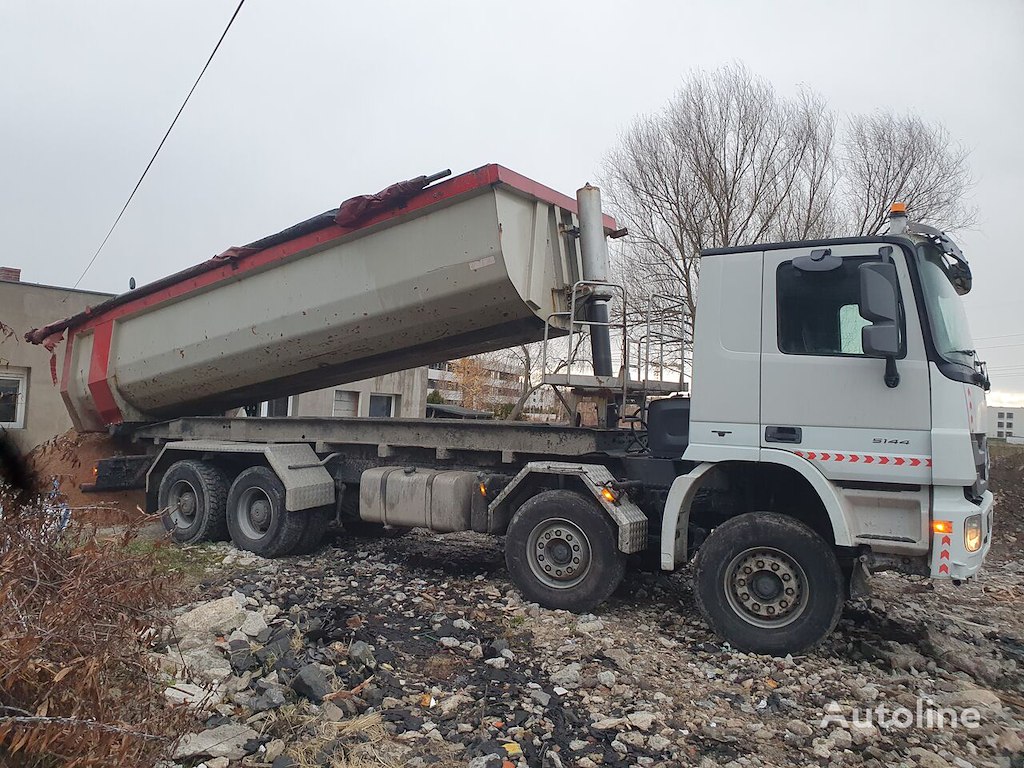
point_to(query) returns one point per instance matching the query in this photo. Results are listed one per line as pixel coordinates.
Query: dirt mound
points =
(70, 459)
(1006, 473)
(1006, 479)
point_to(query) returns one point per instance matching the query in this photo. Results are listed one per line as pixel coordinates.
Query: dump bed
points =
(472, 264)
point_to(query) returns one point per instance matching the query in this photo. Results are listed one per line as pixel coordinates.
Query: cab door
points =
(822, 398)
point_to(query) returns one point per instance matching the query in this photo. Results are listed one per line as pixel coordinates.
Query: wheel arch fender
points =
(589, 478)
(825, 490)
(675, 521)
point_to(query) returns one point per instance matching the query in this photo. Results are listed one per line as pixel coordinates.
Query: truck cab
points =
(835, 384)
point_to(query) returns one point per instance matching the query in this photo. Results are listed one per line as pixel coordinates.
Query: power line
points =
(1000, 346)
(1003, 336)
(160, 145)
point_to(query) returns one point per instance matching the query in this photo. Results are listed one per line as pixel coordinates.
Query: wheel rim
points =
(255, 513)
(766, 587)
(559, 553)
(183, 500)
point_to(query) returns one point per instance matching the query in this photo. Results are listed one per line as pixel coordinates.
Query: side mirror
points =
(879, 304)
(880, 340)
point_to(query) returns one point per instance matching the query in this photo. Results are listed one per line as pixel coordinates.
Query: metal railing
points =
(661, 347)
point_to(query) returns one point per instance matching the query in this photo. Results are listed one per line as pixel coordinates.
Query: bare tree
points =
(526, 361)
(729, 161)
(472, 379)
(889, 157)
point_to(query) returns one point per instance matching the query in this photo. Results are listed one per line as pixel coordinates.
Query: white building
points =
(543, 404)
(504, 383)
(1005, 422)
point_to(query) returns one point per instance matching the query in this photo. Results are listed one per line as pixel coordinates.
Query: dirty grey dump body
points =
(474, 264)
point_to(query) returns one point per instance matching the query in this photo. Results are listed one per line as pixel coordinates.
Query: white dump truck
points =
(832, 426)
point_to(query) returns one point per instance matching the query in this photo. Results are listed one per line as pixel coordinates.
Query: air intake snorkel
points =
(958, 270)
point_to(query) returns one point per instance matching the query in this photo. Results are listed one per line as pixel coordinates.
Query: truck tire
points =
(193, 497)
(257, 517)
(562, 551)
(317, 521)
(767, 583)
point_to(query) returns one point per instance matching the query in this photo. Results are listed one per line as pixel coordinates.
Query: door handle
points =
(783, 434)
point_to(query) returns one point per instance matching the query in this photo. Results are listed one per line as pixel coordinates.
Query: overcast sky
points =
(308, 103)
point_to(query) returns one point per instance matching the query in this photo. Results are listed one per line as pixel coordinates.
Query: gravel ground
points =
(418, 651)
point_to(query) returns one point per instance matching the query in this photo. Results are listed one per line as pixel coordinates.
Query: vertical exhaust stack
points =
(594, 250)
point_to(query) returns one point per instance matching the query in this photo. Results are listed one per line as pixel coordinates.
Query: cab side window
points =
(819, 312)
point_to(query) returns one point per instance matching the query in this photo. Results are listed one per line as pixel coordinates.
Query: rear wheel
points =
(257, 517)
(562, 551)
(767, 583)
(193, 496)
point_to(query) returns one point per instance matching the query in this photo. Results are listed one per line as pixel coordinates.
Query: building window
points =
(1009, 434)
(999, 434)
(346, 403)
(1000, 424)
(383, 405)
(1001, 415)
(818, 312)
(13, 388)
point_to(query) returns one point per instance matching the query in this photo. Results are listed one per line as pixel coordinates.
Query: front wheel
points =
(767, 583)
(562, 551)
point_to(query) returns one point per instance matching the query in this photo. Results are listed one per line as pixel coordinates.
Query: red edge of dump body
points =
(102, 317)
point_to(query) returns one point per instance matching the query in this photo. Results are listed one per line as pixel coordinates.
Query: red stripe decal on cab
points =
(854, 458)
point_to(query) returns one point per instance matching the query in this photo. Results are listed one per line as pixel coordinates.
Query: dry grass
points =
(314, 741)
(76, 616)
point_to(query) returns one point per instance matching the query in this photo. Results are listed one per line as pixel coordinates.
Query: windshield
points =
(950, 333)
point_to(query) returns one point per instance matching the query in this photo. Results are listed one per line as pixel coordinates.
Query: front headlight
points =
(972, 533)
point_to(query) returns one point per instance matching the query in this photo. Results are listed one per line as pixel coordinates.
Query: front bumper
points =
(950, 558)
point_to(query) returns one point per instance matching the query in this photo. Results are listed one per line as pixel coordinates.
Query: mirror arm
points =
(892, 376)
